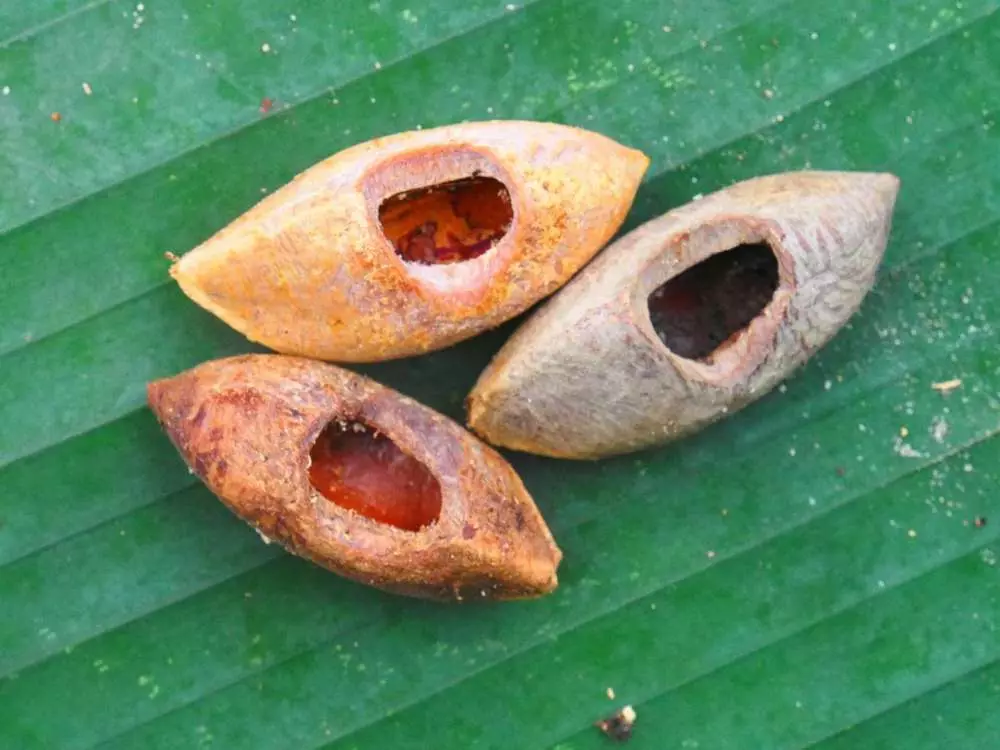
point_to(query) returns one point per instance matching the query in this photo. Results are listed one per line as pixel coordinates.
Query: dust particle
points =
(939, 429)
(264, 537)
(905, 450)
(86, 88)
(265, 48)
(610, 692)
(55, 117)
(980, 522)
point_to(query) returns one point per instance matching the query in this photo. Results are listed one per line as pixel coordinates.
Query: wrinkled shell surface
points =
(245, 425)
(308, 270)
(587, 376)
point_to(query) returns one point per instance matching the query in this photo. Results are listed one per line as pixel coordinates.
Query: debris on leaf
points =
(265, 105)
(980, 522)
(947, 386)
(939, 429)
(618, 726)
(56, 117)
(610, 693)
(905, 449)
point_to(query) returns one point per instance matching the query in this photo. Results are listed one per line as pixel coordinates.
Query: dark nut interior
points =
(698, 311)
(360, 469)
(447, 223)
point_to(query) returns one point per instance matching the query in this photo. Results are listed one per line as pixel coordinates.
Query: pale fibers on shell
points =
(587, 375)
(308, 270)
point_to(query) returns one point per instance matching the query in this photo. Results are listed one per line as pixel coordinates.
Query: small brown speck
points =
(840, 471)
(947, 386)
(56, 117)
(265, 105)
(619, 725)
(980, 522)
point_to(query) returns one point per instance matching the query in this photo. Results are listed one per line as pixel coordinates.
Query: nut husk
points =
(246, 425)
(588, 375)
(309, 270)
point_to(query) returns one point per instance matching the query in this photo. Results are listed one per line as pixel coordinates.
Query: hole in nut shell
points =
(358, 468)
(698, 311)
(447, 223)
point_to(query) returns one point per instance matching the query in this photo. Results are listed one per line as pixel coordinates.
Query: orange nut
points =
(358, 478)
(413, 242)
(689, 317)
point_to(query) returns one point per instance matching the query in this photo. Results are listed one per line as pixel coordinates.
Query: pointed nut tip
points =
(539, 586)
(163, 395)
(154, 393)
(886, 182)
(176, 270)
(550, 585)
(475, 411)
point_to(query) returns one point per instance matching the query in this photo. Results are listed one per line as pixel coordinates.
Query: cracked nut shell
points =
(247, 425)
(514, 210)
(689, 317)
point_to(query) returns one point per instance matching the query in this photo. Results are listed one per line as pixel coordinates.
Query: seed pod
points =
(358, 478)
(414, 242)
(689, 317)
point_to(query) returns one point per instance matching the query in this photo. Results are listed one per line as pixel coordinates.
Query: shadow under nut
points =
(591, 375)
(248, 426)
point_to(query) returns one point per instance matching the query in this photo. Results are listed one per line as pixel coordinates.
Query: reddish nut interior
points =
(447, 223)
(698, 311)
(362, 470)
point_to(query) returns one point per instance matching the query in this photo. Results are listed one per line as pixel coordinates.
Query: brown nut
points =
(689, 317)
(414, 242)
(358, 478)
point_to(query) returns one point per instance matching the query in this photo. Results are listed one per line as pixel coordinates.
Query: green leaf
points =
(806, 573)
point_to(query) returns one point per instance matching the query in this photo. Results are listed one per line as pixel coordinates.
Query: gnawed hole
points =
(447, 223)
(696, 312)
(362, 470)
